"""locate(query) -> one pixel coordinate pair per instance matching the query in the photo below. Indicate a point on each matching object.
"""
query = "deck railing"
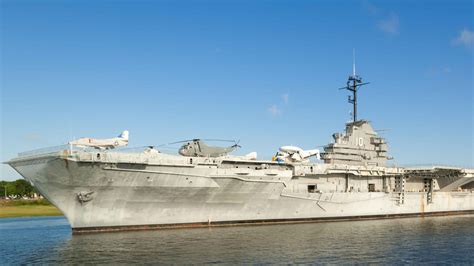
(46, 150)
(72, 148)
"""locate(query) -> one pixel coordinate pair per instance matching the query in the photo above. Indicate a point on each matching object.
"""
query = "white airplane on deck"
(121, 140)
(295, 154)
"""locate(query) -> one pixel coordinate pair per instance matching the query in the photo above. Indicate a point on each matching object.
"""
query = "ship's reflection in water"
(410, 240)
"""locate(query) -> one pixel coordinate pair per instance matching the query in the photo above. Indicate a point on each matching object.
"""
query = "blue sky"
(264, 72)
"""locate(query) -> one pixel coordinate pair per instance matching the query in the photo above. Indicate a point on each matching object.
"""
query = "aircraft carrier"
(102, 187)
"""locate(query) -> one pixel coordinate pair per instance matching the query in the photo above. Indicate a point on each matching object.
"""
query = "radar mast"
(353, 83)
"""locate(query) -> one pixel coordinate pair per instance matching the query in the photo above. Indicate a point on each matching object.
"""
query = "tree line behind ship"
(18, 189)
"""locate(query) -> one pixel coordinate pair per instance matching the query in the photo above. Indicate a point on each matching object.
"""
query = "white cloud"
(446, 70)
(372, 9)
(466, 38)
(285, 98)
(387, 22)
(438, 71)
(274, 110)
(390, 25)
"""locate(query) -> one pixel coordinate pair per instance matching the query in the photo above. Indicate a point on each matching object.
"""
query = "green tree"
(11, 189)
(18, 188)
(23, 188)
(3, 185)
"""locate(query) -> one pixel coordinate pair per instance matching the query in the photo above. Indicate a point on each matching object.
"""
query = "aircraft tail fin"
(124, 135)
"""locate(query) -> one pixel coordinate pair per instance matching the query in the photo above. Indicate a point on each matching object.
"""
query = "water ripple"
(437, 240)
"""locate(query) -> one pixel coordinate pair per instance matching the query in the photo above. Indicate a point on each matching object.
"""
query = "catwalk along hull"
(111, 191)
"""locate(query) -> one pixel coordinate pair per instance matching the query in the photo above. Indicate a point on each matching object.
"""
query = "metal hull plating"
(103, 188)
(106, 194)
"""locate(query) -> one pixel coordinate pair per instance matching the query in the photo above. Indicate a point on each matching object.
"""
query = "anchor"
(84, 196)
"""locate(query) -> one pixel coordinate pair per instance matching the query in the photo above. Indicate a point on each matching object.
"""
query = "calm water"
(411, 240)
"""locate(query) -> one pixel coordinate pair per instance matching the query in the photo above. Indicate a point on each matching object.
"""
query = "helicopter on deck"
(198, 148)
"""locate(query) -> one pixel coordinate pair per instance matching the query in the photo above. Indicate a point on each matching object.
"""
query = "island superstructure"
(99, 187)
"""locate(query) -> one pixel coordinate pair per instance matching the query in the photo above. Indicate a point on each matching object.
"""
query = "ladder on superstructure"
(429, 184)
(400, 182)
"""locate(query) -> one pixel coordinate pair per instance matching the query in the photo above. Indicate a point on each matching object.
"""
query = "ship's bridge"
(358, 145)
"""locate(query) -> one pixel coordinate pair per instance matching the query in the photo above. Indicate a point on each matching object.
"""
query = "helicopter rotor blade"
(224, 140)
(176, 142)
(192, 140)
(237, 144)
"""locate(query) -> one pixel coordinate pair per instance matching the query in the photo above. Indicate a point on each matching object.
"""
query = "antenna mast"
(353, 82)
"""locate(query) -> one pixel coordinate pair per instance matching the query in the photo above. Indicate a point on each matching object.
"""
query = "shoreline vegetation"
(27, 208)
(19, 198)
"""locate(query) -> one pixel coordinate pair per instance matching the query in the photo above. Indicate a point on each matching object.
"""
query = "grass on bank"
(26, 208)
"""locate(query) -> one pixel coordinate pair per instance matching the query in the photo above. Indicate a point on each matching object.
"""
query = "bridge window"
(312, 188)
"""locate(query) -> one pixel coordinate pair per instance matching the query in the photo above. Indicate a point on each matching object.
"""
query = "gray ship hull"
(101, 192)
(99, 187)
